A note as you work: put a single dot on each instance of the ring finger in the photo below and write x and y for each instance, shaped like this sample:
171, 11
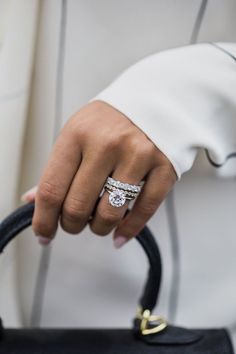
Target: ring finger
107, 216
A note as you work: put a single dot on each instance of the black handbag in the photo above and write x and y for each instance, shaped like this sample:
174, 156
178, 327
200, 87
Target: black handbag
149, 334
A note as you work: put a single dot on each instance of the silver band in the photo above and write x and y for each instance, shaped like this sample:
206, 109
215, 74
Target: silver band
128, 195
125, 186
120, 192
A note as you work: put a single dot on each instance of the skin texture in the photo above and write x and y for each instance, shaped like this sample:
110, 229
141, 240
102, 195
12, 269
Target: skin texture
97, 142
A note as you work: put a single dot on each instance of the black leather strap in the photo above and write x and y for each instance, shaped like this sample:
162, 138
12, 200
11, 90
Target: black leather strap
13, 224
21, 218
150, 294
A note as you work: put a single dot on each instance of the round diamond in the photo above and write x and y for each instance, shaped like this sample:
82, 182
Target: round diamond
117, 198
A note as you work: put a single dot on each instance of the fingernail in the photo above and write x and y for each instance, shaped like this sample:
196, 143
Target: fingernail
44, 241
29, 195
119, 241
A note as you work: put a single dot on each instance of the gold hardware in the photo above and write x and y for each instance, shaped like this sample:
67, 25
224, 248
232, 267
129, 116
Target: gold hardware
147, 319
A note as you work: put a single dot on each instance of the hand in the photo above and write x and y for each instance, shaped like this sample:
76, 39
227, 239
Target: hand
95, 143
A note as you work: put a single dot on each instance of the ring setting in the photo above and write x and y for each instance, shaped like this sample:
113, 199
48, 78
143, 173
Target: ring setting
120, 192
117, 198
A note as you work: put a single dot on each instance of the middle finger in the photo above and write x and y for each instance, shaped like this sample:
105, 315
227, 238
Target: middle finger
83, 193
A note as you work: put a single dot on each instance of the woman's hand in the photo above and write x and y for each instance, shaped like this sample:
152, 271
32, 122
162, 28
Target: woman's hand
95, 143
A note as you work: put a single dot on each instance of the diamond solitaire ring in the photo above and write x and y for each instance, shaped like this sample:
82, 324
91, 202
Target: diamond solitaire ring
120, 192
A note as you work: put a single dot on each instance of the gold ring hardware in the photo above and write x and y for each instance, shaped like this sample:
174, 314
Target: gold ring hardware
147, 319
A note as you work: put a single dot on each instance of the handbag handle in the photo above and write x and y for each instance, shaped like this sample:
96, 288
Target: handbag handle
21, 218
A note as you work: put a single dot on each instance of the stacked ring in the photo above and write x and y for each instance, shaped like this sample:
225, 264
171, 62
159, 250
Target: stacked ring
120, 192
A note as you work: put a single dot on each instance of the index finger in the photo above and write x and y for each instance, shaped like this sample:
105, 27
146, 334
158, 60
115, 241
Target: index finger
55, 181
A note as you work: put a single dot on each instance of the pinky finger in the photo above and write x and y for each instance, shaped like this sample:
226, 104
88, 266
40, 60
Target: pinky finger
159, 182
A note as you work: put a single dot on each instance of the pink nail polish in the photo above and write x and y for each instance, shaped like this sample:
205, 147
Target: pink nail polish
44, 241
119, 241
29, 195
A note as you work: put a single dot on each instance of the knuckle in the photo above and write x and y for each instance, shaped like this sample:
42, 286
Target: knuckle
172, 174
148, 208
167, 174
134, 145
108, 217
149, 151
143, 151
98, 230
109, 145
43, 229
49, 193
77, 125
74, 209
80, 130
72, 228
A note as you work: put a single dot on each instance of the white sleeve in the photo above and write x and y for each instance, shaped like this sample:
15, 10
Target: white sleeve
183, 99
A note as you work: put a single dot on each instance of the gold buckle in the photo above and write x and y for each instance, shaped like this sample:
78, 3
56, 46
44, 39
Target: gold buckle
147, 319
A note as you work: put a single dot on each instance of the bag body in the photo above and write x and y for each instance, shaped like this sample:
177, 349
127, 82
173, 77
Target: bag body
105, 341
149, 335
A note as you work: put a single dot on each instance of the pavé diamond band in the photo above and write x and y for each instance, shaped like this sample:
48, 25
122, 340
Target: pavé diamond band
120, 192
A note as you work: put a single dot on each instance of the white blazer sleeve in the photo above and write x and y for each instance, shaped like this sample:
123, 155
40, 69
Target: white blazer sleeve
183, 99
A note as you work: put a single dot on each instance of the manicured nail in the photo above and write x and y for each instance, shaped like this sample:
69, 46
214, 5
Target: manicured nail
119, 241
44, 241
29, 195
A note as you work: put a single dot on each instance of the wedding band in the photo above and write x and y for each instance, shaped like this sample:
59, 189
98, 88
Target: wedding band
124, 186
120, 192
129, 195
